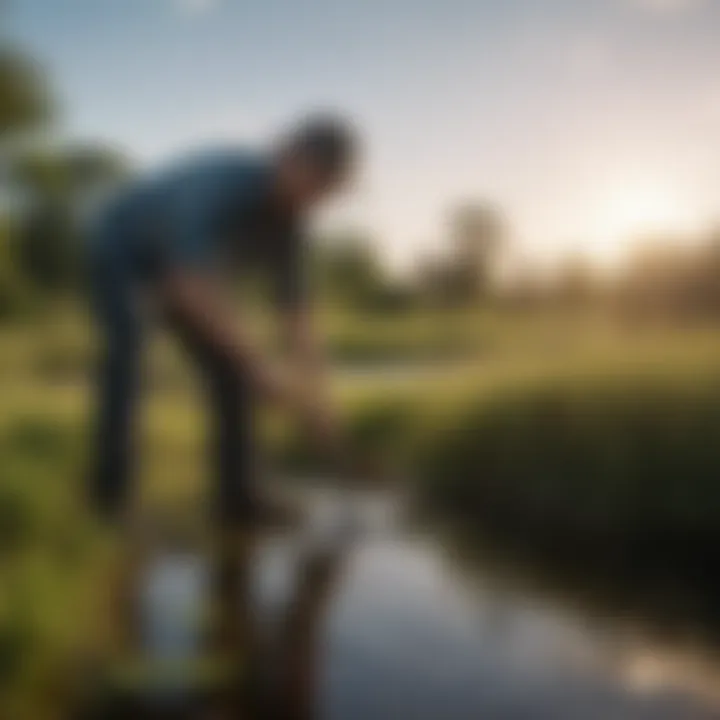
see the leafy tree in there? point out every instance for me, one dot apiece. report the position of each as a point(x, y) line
point(462, 275)
point(56, 187)
point(13, 292)
point(477, 232)
point(349, 273)
point(24, 97)
point(24, 104)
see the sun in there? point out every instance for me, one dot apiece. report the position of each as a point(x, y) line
point(631, 213)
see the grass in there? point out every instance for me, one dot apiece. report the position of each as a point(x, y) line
point(562, 432)
point(606, 459)
point(49, 552)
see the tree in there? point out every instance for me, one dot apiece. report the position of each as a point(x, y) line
point(24, 104)
point(477, 232)
point(462, 275)
point(24, 97)
point(56, 188)
point(349, 272)
point(13, 292)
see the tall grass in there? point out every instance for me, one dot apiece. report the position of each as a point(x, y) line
point(49, 554)
point(573, 440)
point(627, 462)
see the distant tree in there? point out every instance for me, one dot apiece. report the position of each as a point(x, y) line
point(350, 273)
point(477, 232)
point(14, 295)
point(436, 282)
point(25, 104)
point(24, 96)
point(462, 275)
point(56, 188)
point(654, 280)
point(701, 287)
point(671, 279)
point(68, 171)
point(575, 285)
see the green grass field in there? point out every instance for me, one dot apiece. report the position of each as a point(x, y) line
point(554, 427)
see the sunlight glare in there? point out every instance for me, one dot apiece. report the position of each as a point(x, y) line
point(630, 214)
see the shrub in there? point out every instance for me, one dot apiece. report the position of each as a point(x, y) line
point(620, 461)
point(47, 551)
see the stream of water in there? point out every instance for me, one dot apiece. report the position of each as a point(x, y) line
point(406, 631)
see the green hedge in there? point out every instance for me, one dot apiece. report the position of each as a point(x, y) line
point(615, 461)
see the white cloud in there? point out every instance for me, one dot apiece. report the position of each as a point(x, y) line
point(197, 7)
point(668, 6)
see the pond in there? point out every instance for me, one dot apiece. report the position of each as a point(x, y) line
point(395, 625)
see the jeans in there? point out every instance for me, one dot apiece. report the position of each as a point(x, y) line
point(122, 324)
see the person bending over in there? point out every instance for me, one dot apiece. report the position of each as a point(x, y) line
point(168, 243)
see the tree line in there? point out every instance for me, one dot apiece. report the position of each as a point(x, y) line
point(46, 187)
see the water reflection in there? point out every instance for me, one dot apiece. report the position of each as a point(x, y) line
point(395, 627)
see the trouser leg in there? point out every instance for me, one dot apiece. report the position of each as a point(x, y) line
point(232, 444)
point(232, 439)
point(113, 298)
point(115, 426)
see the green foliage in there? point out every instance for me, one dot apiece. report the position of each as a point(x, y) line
point(588, 459)
point(599, 440)
point(57, 185)
point(48, 248)
point(348, 273)
point(477, 233)
point(406, 337)
point(14, 296)
point(46, 551)
point(24, 97)
point(381, 431)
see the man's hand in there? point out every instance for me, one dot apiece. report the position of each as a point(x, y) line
point(315, 413)
point(308, 358)
point(194, 301)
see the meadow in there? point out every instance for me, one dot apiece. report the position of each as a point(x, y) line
point(557, 431)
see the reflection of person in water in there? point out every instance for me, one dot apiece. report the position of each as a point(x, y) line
point(274, 678)
point(299, 658)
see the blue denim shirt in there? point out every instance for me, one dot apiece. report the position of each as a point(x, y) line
point(207, 213)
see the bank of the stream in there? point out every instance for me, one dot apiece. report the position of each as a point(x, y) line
point(613, 453)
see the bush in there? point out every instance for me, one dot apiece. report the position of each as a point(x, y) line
point(15, 298)
point(613, 462)
point(47, 551)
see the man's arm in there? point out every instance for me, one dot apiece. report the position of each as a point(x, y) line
point(306, 350)
point(192, 298)
point(302, 344)
point(190, 290)
point(308, 360)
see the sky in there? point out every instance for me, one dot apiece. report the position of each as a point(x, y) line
point(586, 121)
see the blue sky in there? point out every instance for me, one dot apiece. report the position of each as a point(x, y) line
point(585, 119)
